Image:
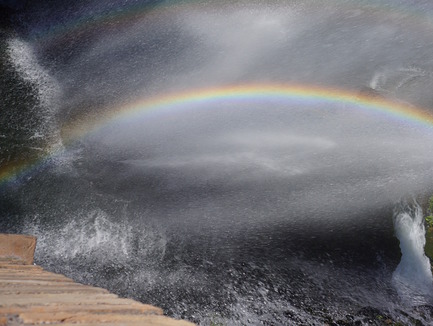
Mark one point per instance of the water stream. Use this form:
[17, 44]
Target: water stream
[413, 276]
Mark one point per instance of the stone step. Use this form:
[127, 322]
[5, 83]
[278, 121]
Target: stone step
[30, 295]
[133, 308]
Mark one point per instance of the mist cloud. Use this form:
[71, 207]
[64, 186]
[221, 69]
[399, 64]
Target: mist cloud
[336, 154]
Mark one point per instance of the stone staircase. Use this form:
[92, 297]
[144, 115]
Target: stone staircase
[29, 295]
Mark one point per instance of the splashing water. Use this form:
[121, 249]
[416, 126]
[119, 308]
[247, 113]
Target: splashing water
[24, 60]
[233, 203]
[413, 277]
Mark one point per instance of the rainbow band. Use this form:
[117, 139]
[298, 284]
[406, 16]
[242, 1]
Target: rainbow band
[252, 93]
[209, 97]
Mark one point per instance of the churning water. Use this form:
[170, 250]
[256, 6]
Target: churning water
[235, 163]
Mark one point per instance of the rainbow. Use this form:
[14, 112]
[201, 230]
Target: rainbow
[210, 97]
[125, 15]
[255, 93]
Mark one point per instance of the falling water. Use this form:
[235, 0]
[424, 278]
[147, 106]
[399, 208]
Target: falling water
[413, 276]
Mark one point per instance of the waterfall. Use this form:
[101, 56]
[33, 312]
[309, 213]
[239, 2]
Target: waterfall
[413, 276]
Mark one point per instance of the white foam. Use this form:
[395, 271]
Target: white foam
[24, 60]
[413, 277]
[94, 236]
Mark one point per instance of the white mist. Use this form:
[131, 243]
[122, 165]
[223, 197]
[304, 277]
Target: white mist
[413, 277]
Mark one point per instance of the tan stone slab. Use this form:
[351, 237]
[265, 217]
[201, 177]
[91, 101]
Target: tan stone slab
[34, 318]
[52, 290]
[12, 261]
[133, 308]
[130, 323]
[33, 282]
[4, 286]
[25, 269]
[35, 273]
[18, 246]
[31, 296]
[18, 267]
[26, 277]
[102, 324]
[43, 300]
[30, 280]
[21, 269]
[154, 322]
[8, 273]
[12, 273]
